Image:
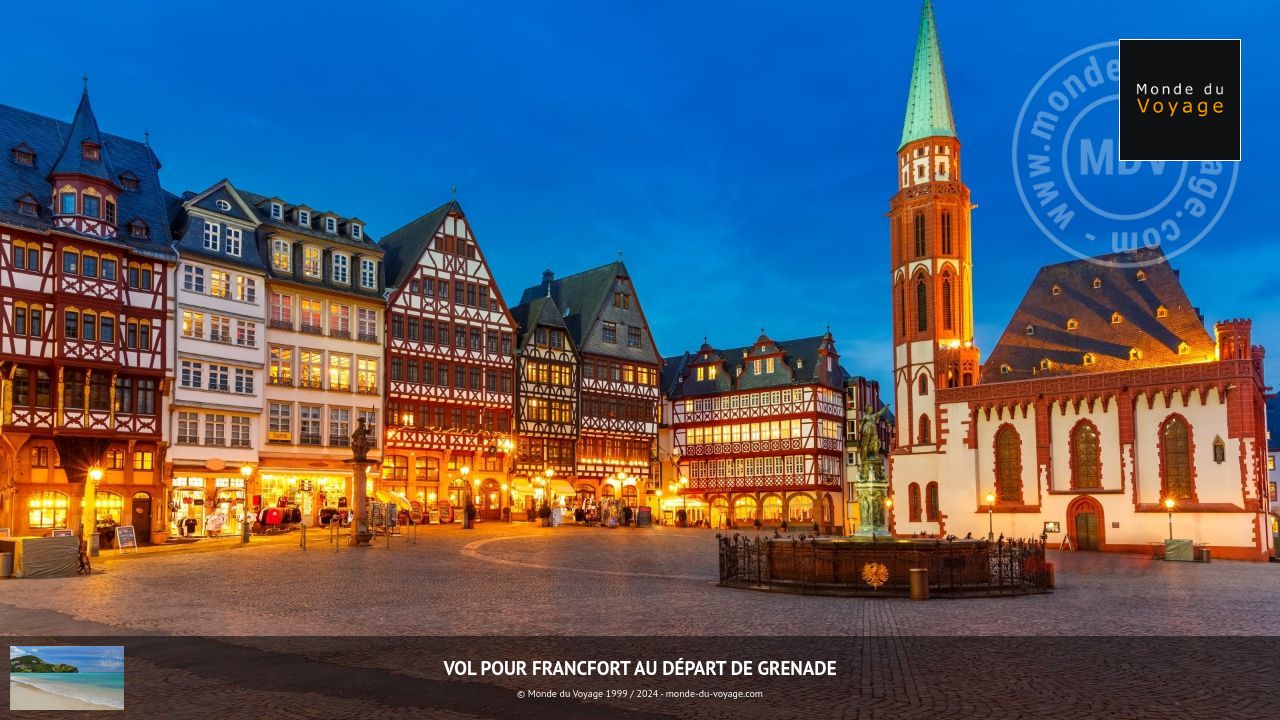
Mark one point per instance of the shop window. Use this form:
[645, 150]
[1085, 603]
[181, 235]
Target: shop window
[47, 509]
[772, 510]
[800, 509]
[108, 506]
[744, 510]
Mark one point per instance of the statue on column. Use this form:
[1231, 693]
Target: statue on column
[870, 449]
[871, 487]
[360, 442]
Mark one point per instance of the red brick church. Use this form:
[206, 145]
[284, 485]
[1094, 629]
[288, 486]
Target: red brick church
[1104, 398]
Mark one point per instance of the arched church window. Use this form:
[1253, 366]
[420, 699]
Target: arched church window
[922, 306]
[920, 239]
[1175, 459]
[1086, 466]
[1008, 465]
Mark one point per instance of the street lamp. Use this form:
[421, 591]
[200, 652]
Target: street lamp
[1168, 505]
[89, 523]
[684, 496]
[991, 506]
[546, 492]
[246, 471]
[468, 509]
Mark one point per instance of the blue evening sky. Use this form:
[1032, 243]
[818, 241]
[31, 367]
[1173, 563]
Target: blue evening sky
[87, 658]
[741, 154]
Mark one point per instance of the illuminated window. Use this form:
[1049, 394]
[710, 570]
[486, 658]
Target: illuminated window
[1073, 324]
[281, 255]
[1162, 312]
[1116, 318]
[47, 509]
[1175, 459]
[143, 460]
[311, 262]
[1089, 359]
[1008, 464]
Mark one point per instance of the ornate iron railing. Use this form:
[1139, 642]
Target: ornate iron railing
[814, 566]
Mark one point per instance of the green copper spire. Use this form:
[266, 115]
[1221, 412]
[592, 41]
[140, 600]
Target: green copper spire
[928, 104]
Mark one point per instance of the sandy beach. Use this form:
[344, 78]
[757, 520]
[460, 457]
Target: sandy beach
[25, 697]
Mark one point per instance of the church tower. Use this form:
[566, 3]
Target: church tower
[929, 228]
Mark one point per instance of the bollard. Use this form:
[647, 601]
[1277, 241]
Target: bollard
[919, 583]
[302, 541]
[1049, 574]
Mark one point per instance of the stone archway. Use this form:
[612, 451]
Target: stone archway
[1085, 524]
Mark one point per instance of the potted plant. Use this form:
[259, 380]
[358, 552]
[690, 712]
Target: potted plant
[681, 517]
[544, 515]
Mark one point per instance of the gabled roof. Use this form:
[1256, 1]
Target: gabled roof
[928, 102]
[404, 247]
[541, 311]
[801, 360]
[84, 128]
[48, 137]
[579, 297]
[1137, 294]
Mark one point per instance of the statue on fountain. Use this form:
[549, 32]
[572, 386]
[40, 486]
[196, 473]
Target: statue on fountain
[870, 449]
[871, 489]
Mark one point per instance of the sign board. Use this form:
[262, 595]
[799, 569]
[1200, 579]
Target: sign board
[62, 533]
[126, 537]
[279, 435]
[434, 517]
[377, 516]
[644, 516]
[1052, 526]
[393, 515]
[415, 511]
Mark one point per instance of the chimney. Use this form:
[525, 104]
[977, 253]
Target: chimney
[548, 276]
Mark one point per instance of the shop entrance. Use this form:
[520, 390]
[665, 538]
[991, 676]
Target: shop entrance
[140, 518]
[489, 500]
[224, 518]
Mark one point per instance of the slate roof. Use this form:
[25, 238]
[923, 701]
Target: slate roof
[928, 102]
[84, 128]
[47, 137]
[405, 246]
[189, 235]
[266, 223]
[540, 311]
[800, 357]
[580, 297]
[1121, 290]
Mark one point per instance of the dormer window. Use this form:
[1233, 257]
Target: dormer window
[368, 274]
[357, 232]
[1089, 359]
[128, 180]
[138, 229]
[1073, 324]
[311, 262]
[330, 225]
[341, 269]
[1116, 318]
[1141, 275]
[1135, 354]
[281, 254]
[277, 211]
[91, 151]
[1162, 312]
[304, 218]
[223, 205]
[24, 155]
[1005, 369]
[1057, 290]
[1097, 283]
[27, 206]
[1031, 329]
[1045, 364]
[1184, 349]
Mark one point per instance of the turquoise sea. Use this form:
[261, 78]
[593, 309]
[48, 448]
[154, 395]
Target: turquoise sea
[100, 688]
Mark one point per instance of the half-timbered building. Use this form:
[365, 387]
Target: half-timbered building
[758, 433]
[215, 424]
[83, 334]
[449, 360]
[618, 383]
[1105, 412]
[546, 408]
[323, 351]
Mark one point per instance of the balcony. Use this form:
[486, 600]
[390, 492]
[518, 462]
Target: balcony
[288, 381]
[309, 439]
[339, 441]
[340, 386]
[223, 338]
[312, 383]
[368, 337]
[280, 324]
[311, 329]
[367, 389]
[340, 334]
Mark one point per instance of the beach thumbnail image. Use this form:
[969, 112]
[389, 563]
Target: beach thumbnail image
[66, 677]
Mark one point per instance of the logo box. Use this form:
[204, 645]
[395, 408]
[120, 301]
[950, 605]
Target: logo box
[1180, 100]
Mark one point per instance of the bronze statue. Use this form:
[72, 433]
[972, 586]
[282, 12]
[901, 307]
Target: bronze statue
[360, 442]
[869, 440]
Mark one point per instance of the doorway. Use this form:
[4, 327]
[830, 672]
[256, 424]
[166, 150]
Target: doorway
[1084, 524]
[141, 517]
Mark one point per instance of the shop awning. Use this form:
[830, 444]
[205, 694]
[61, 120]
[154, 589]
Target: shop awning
[562, 487]
[386, 496]
[522, 485]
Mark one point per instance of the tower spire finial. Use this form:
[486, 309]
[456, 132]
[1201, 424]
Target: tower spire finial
[453, 192]
[928, 102]
[85, 78]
